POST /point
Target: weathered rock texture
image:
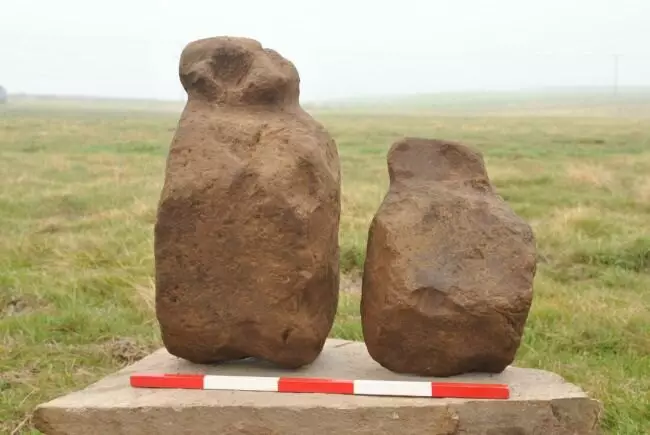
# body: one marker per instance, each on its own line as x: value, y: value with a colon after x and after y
x: 246, y: 238
x: 448, y: 277
x: 540, y: 403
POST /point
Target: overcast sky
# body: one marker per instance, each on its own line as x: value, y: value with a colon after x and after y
x: 342, y: 48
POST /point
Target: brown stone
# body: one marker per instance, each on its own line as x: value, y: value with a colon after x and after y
x: 449, y: 271
x: 246, y: 238
x: 540, y: 403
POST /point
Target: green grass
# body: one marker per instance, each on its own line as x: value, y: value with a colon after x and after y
x: 77, y: 204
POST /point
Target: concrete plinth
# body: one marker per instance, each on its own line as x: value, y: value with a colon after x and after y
x: 541, y: 403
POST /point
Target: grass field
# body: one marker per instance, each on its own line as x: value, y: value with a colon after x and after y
x: 78, y: 196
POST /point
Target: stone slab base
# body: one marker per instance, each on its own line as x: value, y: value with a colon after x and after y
x: 541, y: 403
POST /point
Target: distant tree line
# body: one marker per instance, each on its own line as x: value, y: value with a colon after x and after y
x: 3, y: 95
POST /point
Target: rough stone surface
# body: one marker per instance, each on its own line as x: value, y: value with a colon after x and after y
x: 541, y: 403
x: 448, y: 278
x: 246, y: 238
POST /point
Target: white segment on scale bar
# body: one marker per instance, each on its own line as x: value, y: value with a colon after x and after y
x: 392, y: 388
x: 240, y: 383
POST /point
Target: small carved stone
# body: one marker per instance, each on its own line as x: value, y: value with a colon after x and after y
x: 448, y: 278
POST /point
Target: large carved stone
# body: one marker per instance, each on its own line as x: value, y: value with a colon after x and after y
x: 246, y: 238
x: 447, y: 285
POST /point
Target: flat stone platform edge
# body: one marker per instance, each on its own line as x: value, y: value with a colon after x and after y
x: 541, y: 403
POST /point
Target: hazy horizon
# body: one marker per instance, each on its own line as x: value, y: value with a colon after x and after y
x: 342, y: 50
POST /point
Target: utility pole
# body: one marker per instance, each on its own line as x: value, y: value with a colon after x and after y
x: 617, y: 58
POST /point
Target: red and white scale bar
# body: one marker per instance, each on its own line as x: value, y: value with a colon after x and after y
x: 322, y: 386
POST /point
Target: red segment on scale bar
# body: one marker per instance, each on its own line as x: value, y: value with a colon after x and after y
x: 470, y: 391
x: 315, y: 385
x: 191, y: 381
